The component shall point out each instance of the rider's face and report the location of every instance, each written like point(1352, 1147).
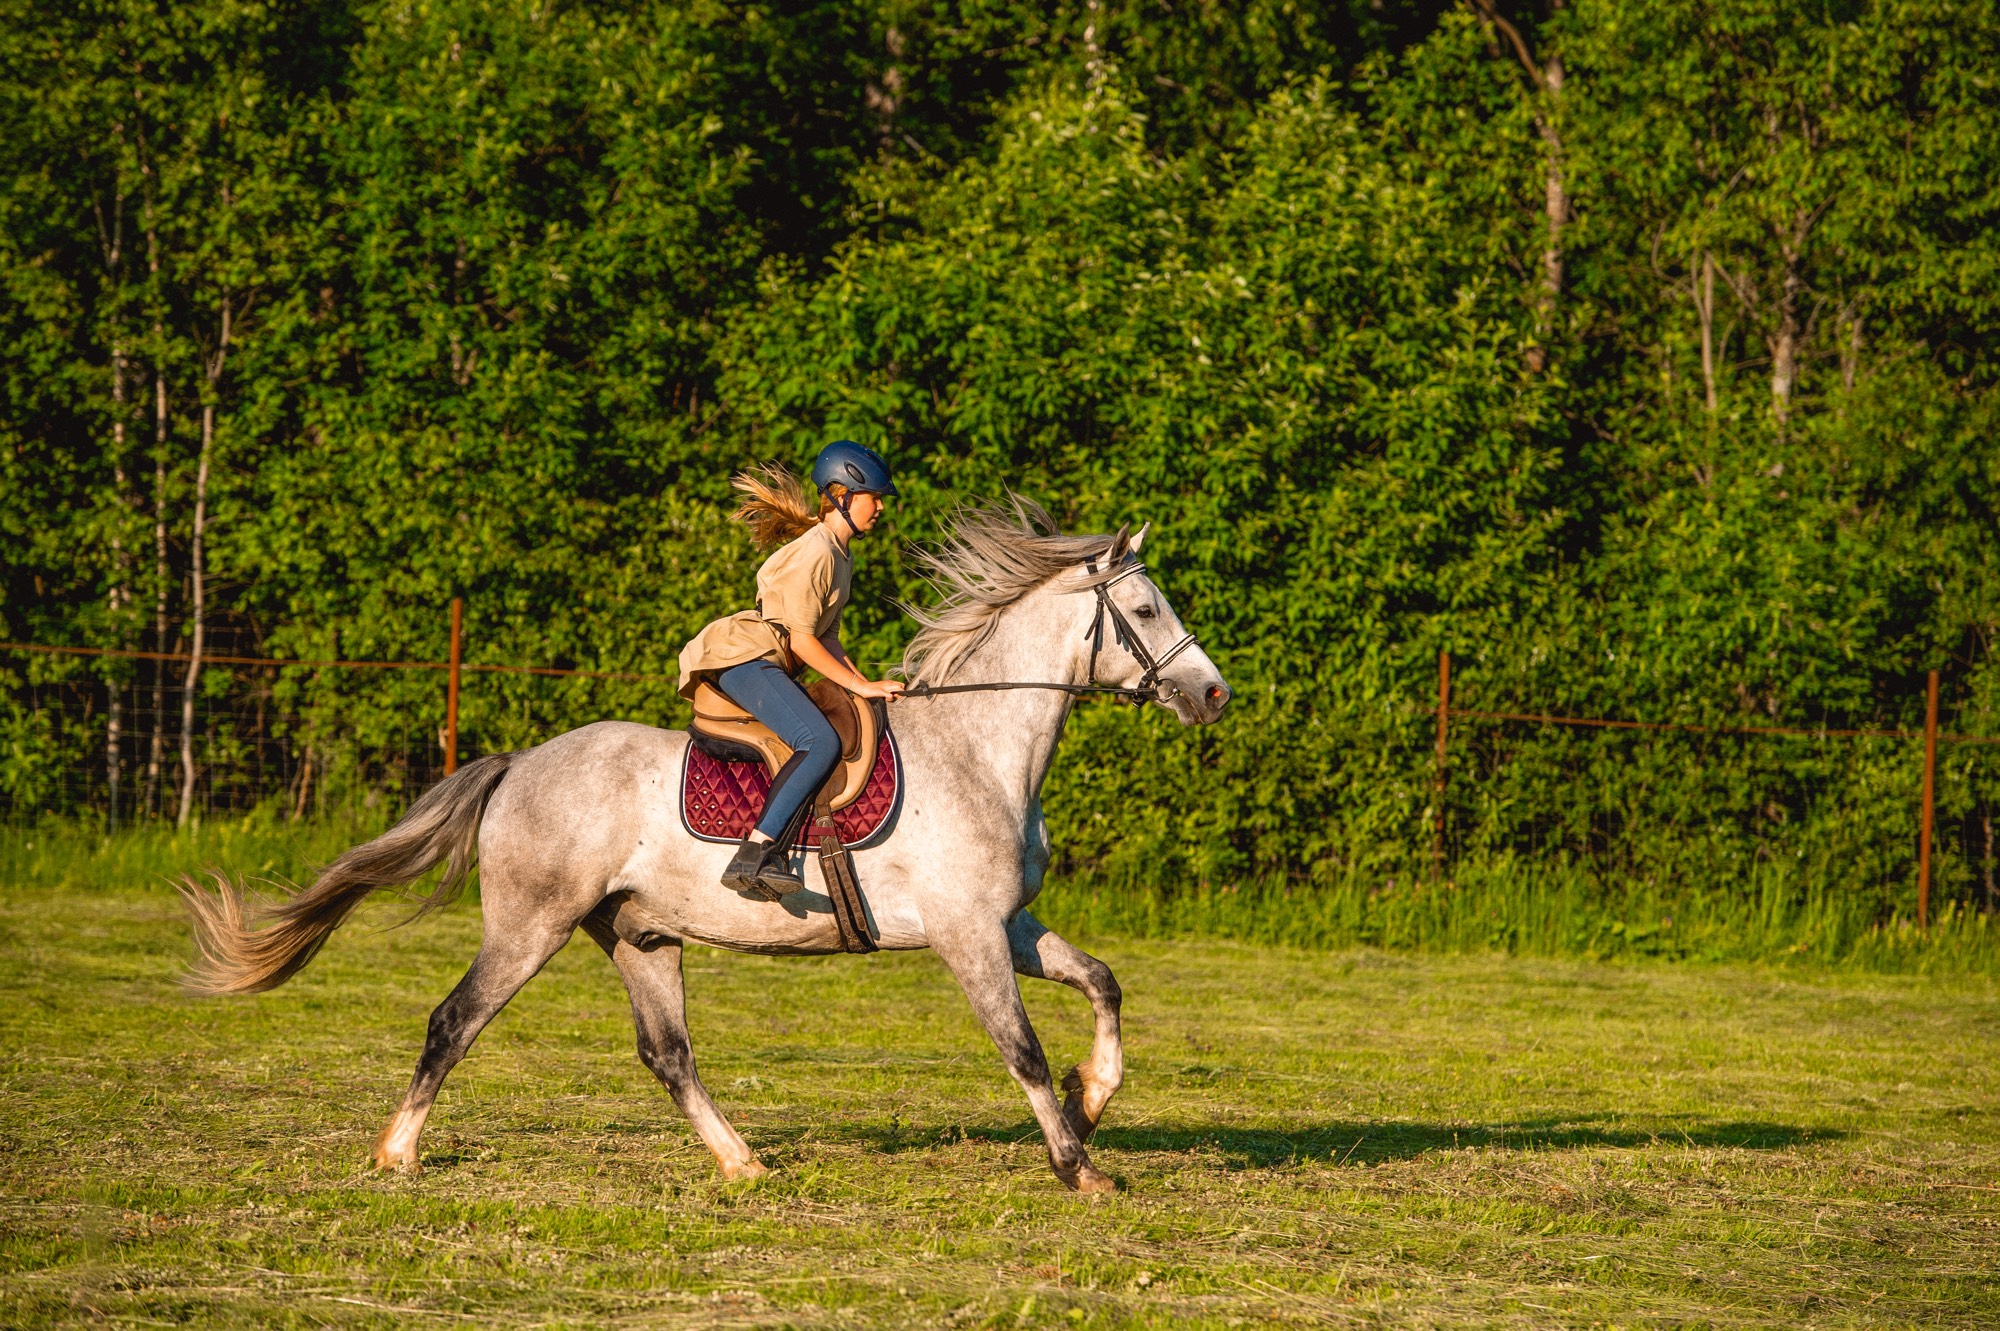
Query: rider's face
point(864, 508)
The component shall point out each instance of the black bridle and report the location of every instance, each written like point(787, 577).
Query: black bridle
point(1123, 635)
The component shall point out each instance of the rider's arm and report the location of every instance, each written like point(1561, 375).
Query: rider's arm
point(831, 641)
point(835, 666)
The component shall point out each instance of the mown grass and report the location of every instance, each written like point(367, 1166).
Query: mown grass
point(1306, 1138)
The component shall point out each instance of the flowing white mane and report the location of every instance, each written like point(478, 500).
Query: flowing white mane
point(993, 555)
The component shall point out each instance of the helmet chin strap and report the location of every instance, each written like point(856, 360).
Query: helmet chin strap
point(840, 504)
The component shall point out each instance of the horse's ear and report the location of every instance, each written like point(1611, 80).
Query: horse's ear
point(1140, 538)
point(1121, 545)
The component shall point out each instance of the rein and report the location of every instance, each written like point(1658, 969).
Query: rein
point(922, 690)
point(1122, 634)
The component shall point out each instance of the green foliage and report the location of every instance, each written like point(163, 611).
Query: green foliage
point(1295, 371)
point(1663, 389)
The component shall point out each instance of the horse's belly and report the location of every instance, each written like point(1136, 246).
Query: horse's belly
point(704, 911)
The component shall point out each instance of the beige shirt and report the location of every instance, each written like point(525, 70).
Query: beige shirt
point(801, 589)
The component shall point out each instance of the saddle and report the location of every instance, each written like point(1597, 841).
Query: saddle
point(734, 757)
point(730, 733)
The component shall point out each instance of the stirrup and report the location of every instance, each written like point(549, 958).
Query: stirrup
point(776, 874)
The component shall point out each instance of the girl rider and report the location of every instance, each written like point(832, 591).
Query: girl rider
point(755, 656)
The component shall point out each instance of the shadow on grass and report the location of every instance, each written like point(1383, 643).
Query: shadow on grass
point(1369, 1143)
point(1373, 1143)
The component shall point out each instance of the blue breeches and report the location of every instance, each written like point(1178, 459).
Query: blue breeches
point(769, 694)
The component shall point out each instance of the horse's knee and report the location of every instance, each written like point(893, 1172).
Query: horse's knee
point(1106, 985)
point(1095, 980)
point(1030, 1066)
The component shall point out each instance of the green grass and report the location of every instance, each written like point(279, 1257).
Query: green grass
point(1767, 915)
point(1524, 907)
point(1349, 1138)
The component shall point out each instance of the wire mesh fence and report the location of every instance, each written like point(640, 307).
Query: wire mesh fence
point(117, 738)
point(1906, 814)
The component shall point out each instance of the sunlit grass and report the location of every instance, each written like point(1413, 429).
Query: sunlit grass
point(1525, 907)
point(1349, 1137)
point(1516, 906)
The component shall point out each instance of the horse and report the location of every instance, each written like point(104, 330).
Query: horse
point(584, 831)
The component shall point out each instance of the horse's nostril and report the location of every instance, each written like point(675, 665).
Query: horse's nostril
point(1217, 694)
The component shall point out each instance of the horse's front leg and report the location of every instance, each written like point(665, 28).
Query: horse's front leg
point(1046, 955)
point(980, 957)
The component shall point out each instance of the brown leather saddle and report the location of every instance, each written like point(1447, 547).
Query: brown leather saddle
point(730, 732)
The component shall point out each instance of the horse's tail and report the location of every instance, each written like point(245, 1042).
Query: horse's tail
point(242, 955)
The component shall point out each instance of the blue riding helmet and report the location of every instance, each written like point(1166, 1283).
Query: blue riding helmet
point(856, 466)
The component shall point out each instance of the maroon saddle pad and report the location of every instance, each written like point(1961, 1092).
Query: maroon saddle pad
point(721, 800)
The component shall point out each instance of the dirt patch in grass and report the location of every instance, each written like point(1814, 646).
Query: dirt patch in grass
point(1304, 1139)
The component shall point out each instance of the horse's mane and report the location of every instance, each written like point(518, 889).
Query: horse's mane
point(991, 556)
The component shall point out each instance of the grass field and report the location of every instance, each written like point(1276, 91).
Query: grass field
point(1306, 1138)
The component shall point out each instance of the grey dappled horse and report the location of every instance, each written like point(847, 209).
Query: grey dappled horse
point(584, 831)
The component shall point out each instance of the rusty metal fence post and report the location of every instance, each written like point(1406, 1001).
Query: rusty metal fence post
point(1930, 802)
point(1444, 728)
point(451, 689)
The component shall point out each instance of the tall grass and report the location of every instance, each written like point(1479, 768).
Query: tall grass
point(261, 845)
point(1552, 909)
point(1770, 913)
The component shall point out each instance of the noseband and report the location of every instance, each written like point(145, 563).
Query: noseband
point(1122, 634)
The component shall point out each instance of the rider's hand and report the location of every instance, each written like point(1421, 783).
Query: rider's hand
point(887, 688)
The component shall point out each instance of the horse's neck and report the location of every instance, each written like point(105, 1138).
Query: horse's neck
point(1009, 736)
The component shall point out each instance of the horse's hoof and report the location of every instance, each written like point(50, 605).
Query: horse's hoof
point(744, 1172)
point(1089, 1181)
point(1078, 1106)
point(388, 1157)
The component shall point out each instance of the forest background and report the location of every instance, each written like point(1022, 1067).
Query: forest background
point(1640, 356)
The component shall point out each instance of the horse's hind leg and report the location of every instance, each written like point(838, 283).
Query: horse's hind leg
point(651, 967)
point(1047, 955)
point(506, 961)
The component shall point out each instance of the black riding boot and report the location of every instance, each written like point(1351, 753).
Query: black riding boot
point(777, 874)
point(744, 866)
point(762, 870)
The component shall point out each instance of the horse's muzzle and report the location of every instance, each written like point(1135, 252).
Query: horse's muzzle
point(1200, 708)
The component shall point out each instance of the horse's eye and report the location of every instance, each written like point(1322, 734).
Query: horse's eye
point(1145, 612)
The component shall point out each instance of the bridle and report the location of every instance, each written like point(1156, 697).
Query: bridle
point(1123, 635)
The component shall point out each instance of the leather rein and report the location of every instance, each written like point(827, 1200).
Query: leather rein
point(1122, 634)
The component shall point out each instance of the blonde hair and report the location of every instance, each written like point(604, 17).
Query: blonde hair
point(775, 506)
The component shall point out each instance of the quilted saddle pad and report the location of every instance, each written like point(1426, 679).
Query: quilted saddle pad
point(721, 801)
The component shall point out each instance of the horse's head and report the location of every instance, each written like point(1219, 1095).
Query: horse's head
point(1138, 642)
